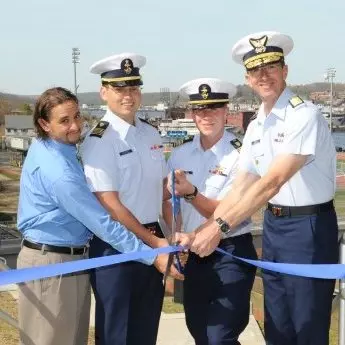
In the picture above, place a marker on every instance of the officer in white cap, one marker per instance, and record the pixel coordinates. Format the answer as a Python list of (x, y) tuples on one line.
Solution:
[(216, 288), (288, 163), (125, 167)]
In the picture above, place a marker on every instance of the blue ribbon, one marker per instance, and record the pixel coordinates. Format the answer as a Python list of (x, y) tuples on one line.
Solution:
[(176, 208), (176, 202), (25, 274), (324, 271)]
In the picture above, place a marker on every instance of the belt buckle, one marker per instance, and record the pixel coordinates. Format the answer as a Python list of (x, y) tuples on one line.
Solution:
[(277, 211), (73, 249)]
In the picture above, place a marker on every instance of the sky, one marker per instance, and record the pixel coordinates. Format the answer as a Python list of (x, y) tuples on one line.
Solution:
[(181, 39)]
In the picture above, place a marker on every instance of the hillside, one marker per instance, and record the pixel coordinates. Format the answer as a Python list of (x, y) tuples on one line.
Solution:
[(152, 98)]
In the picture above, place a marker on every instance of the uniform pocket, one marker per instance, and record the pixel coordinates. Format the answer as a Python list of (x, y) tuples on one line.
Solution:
[(216, 181), (157, 153), (258, 156), (214, 185), (257, 150)]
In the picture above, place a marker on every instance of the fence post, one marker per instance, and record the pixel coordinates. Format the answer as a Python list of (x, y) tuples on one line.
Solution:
[(342, 296)]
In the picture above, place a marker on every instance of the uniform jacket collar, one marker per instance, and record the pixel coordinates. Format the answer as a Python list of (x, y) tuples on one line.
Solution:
[(279, 107), (121, 126), (217, 148)]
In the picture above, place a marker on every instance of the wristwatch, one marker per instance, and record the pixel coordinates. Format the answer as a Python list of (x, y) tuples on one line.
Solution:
[(223, 227), (190, 197)]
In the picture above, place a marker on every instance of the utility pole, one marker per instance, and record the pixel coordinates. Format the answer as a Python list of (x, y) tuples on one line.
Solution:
[(329, 76), (75, 61)]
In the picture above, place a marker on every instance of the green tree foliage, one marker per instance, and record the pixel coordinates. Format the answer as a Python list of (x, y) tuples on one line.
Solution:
[(5, 107), (26, 109)]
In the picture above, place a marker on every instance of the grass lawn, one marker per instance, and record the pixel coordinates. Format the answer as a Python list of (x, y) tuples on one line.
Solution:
[(9, 335), (340, 203), (340, 196), (170, 307)]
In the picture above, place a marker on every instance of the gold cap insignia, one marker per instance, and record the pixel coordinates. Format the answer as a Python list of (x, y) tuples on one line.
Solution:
[(204, 91), (127, 66), (259, 44)]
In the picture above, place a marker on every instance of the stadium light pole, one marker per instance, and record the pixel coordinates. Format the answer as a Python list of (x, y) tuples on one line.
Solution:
[(75, 61), (329, 76)]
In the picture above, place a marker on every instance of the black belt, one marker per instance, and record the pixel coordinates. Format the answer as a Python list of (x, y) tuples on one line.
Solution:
[(55, 249), (294, 211), (154, 228)]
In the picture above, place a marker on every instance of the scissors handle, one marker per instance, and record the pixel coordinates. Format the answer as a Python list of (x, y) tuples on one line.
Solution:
[(178, 264)]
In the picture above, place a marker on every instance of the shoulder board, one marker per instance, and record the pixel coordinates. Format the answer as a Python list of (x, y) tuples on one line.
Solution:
[(253, 117), (295, 101), (147, 122), (236, 144), (187, 140), (99, 130)]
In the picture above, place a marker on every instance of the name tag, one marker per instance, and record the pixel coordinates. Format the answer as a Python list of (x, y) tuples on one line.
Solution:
[(126, 152), (255, 142)]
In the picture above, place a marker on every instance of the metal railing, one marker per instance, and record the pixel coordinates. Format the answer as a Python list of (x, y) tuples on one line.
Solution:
[(3, 315)]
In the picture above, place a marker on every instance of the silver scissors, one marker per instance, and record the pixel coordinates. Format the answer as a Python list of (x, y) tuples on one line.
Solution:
[(170, 235)]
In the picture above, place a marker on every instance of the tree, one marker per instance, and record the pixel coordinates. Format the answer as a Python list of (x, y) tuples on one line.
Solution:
[(5, 107), (26, 109)]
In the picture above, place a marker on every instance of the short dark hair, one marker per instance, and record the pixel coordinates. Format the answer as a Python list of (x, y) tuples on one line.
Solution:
[(46, 102)]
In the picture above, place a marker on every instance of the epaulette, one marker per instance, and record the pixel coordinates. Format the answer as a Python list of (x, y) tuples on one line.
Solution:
[(148, 123), (253, 117), (99, 130), (236, 144), (295, 101), (187, 140)]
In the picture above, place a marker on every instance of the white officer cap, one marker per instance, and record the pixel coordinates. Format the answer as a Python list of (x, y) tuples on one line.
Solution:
[(262, 48), (120, 70), (207, 92)]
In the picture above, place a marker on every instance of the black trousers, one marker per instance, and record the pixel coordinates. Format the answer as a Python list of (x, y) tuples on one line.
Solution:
[(217, 293), (129, 299), (297, 309)]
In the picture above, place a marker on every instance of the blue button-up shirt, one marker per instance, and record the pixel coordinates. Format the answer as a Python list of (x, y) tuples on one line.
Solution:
[(56, 206)]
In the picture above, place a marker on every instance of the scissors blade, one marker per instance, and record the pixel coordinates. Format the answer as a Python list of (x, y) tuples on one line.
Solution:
[(167, 270), (175, 210), (168, 235), (165, 229)]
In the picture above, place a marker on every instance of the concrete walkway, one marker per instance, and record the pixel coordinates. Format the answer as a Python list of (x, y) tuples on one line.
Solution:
[(173, 330), (172, 327)]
